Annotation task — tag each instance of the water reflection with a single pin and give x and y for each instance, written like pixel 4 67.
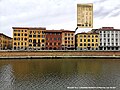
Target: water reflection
pixel 6 77
pixel 58 74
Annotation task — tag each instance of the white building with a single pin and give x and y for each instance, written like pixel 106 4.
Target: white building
pixel 109 38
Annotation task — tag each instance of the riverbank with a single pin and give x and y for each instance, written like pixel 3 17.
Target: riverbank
pixel 59 54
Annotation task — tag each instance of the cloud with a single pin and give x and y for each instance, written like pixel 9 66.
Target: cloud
pixel 51 13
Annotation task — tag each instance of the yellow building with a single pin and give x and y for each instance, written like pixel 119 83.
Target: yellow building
pixel 28 38
pixel 68 40
pixel 85 15
pixel 5 42
pixel 87 41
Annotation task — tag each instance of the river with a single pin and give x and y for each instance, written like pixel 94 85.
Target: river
pixel 59 74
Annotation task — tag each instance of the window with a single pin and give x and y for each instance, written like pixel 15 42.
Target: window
pixel 38 36
pixel 25 39
pixel 88 40
pixel 54 43
pixel 38 40
pixel 92 40
pixel 18 43
pixel 18 34
pixel 30 40
pixel 69 38
pixel 81 44
pixel 34 41
pixel 80 40
pixel 43 36
pixel 43 40
pixel 88 36
pixel 58 43
pixel 50 43
pixel 104 35
pixel 14 38
pixel 14 43
pixel 38 32
pixel 46 43
pixel 25 43
pixel 34 32
pixel 34 45
pixel 39 45
pixel 34 36
pixel 68 34
pixel 30 44
pixel 21 43
pixel 92 44
pixel 59 38
pixel 96 40
pixel 25 34
pixel 84 35
pixel 15 34
pixel 84 44
pixel 96 36
pixel 18 38
pixel 84 40
pixel 88 44
pixel 65 38
pixel 55 39
pixel 30 35
pixel 65 34
pixel 42 32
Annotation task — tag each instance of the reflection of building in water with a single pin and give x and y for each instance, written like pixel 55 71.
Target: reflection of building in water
pixel 85 67
pixel 6 78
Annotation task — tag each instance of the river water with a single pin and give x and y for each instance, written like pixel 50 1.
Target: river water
pixel 59 74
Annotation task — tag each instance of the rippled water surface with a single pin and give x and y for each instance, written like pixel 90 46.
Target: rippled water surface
pixel 59 74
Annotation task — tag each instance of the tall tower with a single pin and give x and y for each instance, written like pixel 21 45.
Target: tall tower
pixel 85 15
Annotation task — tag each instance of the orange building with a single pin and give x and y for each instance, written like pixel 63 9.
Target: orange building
pixel 5 42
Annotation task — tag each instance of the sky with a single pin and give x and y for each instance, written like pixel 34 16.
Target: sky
pixel 55 14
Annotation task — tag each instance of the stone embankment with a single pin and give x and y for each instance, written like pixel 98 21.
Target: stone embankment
pixel 60 54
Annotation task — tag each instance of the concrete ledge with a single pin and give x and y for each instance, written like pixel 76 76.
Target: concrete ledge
pixel 61 57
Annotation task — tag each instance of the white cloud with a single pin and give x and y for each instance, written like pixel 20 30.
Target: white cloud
pixel 54 14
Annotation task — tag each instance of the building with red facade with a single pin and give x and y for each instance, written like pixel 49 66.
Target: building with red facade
pixel 53 39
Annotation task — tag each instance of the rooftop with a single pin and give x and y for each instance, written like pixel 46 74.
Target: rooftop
pixel 29 28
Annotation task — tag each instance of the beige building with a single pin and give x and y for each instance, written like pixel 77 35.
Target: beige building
pixel 87 41
pixel 28 38
pixel 5 42
pixel 68 40
pixel 85 15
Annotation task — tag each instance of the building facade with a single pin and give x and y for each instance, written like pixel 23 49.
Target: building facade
pixel 28 38
pixel 5 42
pixel 85 15
pixel 68 40
pixel 87 41
pixel 53 39
pixel 109 38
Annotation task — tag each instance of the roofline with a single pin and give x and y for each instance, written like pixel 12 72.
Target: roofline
pixel 5 35
pixel 43 28
pixel 87 33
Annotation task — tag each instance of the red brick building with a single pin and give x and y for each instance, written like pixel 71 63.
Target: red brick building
pixel 53 39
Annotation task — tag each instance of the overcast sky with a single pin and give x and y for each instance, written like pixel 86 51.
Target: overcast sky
pixel 55 14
